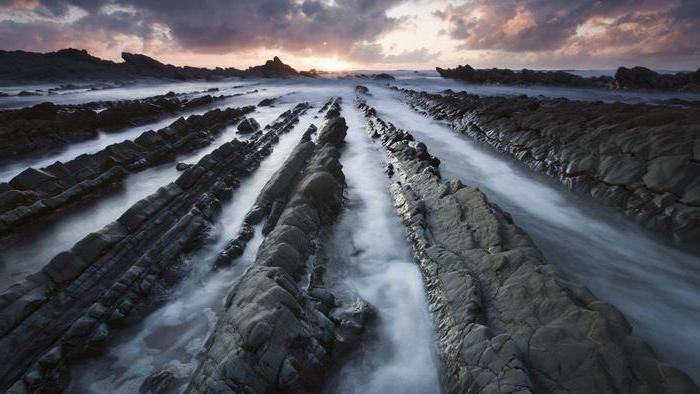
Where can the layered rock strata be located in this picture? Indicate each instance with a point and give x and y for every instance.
(68, 309)
(36, 192)
(48, 126)
(642, 159)
(506, 321)
(276, 334)
(274, 196)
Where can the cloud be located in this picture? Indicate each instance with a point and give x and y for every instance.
(207, 26)
(623, 30)
(374, 53)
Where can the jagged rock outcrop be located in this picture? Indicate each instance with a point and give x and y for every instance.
(248, 125)
(641, 159)
(276, 335)
(272, 69)
(506, 321)
(360, 89)
(47, 126)
(505, 76)
(625, 78)
(36, 192)
(78, 65)
(377, 77)
(274, 196)
(644, 78)
(68, 309)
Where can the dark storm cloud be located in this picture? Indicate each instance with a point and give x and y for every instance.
(213, 26)
(641, 26)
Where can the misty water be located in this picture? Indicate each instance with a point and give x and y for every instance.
(369, 247)
(105, 138)
(170, 337)
(32, 246)
(655, 285)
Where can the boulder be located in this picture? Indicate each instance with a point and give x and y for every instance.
(248, 125)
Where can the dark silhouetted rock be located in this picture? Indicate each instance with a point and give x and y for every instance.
(644, 78)
(523, 77)
(78, 65)
(248, 125)
(267, 102)
(181, 166)
(625, 78)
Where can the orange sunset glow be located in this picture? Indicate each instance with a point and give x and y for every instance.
(356, 34)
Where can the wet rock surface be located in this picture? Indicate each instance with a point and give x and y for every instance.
(277, 335)
(506, 321)
(108, 279)
(48, 126)
(36, 192)
(248, 125)
(641, 159)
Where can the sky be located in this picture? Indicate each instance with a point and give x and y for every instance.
(366, 34)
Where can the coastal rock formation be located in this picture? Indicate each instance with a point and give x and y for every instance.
(248, 125)
(69, 308)
(77, 65)
(271, 69)
(641, 159)
(625, 78)
(522, 77)
(276, 335)
(36, 192)
(377, 77)
(47, 126)
(644, 78)
(506, 321)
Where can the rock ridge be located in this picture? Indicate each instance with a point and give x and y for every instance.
(37, 192)
(641, 159)
(276, 334)
(624, 79)
(68, 309)
(506, 320)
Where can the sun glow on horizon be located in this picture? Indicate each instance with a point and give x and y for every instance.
(331, 64)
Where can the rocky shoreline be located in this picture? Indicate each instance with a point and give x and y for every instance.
(37, 192)
(506, 320)
(48, 126)
(68, 309)
(641, 159)
(625, 78)
(277, 334)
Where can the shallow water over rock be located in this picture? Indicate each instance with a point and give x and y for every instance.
(655, 285)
